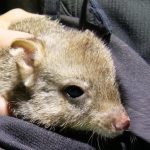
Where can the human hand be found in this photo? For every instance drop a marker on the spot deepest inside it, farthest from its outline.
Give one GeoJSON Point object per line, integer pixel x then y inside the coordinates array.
{"type": "Point", "coordinates": [6, 38]}
{"type": "Point", "coordinates": [14, 15]}
{"type": "Point", "coordinates": [3, 106]}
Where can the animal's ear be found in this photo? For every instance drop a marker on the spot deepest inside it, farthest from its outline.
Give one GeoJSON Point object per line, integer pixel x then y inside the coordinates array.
{"type": "Point", "coordinates": [28, 54]}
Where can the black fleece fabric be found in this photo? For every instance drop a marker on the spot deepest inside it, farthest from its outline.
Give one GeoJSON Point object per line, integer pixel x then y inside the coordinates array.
{"type": "Point", "coordinates": [20, 135]}
{"type": "Point", "coordinates": [129, 23]}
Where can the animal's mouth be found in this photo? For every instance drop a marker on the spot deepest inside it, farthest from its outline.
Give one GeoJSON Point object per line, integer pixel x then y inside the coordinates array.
{"type": "Point", "coordinates": [117, 127]}
{"type": "Point", "coordinates": [107, 133]}
{"type": "Point", "coordinates": [114, 127]}
{"type": "Point", "coordinates": [116, 123]}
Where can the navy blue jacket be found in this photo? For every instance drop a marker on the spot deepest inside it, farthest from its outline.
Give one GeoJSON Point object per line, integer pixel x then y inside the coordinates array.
{"type": "Point", "coordinates": [124, 26]}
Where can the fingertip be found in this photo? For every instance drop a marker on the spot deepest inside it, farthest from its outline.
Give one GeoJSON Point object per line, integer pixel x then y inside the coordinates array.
{"type": "Point", "coordinates": [8, 36]}
{"type": "Point", "coordinates": [3, 107]}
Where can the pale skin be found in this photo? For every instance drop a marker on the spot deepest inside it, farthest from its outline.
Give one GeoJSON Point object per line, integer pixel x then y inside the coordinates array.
{"type": "Point", "coordinates": [6, 38]}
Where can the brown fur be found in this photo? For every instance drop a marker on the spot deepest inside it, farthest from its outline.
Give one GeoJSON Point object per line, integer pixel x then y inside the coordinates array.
{"type": "Point", "coordinates": [69, 57]}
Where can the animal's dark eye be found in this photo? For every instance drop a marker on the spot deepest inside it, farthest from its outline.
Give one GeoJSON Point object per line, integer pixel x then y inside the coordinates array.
{"type": "Point", "coordinates": [73, 91]}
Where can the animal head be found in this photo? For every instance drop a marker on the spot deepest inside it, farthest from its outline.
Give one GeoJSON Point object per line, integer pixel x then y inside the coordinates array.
{"type": "Point", "coordinates": [72, 78]}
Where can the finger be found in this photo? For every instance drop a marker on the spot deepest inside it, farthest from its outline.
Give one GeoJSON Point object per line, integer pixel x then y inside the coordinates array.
{"type": "Point", "coordinates": [13, 16]}
{"type": "Point", "coordinates": [3, 107]}
{"type": "Point", "coordinates": [7, 36]}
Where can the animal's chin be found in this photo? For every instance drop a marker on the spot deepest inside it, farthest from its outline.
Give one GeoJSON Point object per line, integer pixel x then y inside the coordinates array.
{"type": "Point", "coordinates": [103, 132]}
{"type": "Point", "coordinates": [109, 134]}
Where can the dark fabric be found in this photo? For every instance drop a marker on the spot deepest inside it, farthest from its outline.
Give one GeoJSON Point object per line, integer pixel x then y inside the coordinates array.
{"type": "Point", "coordinates": [133, 75]}
{"type": "Point", "coordinates": [20, 135]}
{"type": "Point", "coordinates": [31, 7]}
{"type": "Point", "coordinates": [52, 7]}
{"type": "Point", "coordinates": [2, 7]}
{"type": "Point", "coordinates": [81, 14]}
{"type": "Point", "coordinates": [101, 21]}
{"type": "Point", "coordinates": [130, 22]}
{"type": "Point", "coordinates": [36, 6]}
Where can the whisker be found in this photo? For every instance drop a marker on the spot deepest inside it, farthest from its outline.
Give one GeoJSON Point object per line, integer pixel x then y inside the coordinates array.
{"type": "Point", "coordinates": [102, 138]}
{"type": "Point", "coordinates": [91, 137]}
{"type": "Point", "coordinates": [99, 147]}
{"type": "Point", "coordinates": [133, 140]}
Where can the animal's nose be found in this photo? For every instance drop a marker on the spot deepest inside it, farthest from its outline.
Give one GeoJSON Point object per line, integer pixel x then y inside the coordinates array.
{"type": "Point", "coordinates": [121, 123]}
